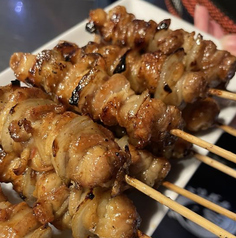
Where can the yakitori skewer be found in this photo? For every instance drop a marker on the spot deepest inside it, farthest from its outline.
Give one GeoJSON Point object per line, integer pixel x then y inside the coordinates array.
{"type": "Point", "coordinates": [126, 30]}
{"type": "Point", "coordinates": [205, 110]}
{"type": "Point", "coordinates": [88, 89]}
{"type": "Point", "coordinates": [31, 128]}
{"type": "Point", "coordinates": [204, 202]}
{"type": "Point", "coordinates": [144, 72]}
{"type": "Point", "coordinates": [165, 76]}
{"type": "Point", "coordinates": [194, 217]}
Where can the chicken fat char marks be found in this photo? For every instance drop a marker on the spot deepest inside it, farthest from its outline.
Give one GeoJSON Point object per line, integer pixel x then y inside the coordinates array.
{"type": "Point", "coordinates": [86, 87]}
{"type": "Point", "coordinates": [122, 28]}
{"type": "Point", "coordinates": [18, 220]}
{"type": "Point", "coordinates": [87, 212]}
{"type": "Point", "coordinates": [163, 75]}
{"type": "Point", "coordinates": [41, 132]}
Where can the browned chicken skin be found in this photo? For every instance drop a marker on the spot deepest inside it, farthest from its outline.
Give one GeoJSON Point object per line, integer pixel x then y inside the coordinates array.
{"type": "Point", "coordinates": [145, 166]}
{"type": "Point", "coordinates": [201, 115]}
{"type": "Point", "coordinates": [122, 28]}
{"type": "Point", "coordinates": [61, 200]}
{"type": "Point", "coordinates": [18, 220]}
{"type": "Point", "coordinates": [86, 87]}
{"type": "Point", "coordinates": [41, 132]}
{"type": "Point", "coordinates": [163, 75]}
{"type": "Point", "coordinates": [87, 212]}
{"type": "Point", "coordinates": [154, 71]}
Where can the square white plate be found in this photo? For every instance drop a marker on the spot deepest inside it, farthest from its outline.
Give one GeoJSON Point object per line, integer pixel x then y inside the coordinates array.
{"type": "Point", "coordinates": [151, 212]}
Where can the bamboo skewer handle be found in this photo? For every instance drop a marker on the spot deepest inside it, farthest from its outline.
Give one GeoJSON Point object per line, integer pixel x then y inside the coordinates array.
{"type": "Point", "coordinates": [216, 164]}
{"type": "Point", "coordinates": [204, 144]}
{"type": "Point", "coordinates": [218, 231]}
{"type": "Point", "coordinates": [230, 130]}
{"type": "Point", "coordinates": [222, 94]}
{"type": "Point", "coordinates": [204, 202]}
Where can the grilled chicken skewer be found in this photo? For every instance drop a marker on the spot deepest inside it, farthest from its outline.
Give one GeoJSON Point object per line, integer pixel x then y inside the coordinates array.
{"type": "Point", "coordinates": [122, 28]}
{"type": "Point", "coordinates": [87, 88]}
{"type": "Point", "coordinates": [155, 71]}
{"type": "Point", "coordinates": [42, 133]}
{"type": "Point", "coordinates": [54, 199]}
{"type": "Point", "coordinates": [144, 72]}
{"type": "Point", "coordinates": [14, 99]}
{"type": "Point", "coordinates": [18, 220]}
{"type": "Point", "coordinates": [87, 212]}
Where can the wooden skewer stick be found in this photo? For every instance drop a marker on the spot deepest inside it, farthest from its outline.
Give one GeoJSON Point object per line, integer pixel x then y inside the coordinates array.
{"type": "Point", "coordinates": [204, 144]}
{"type": "Point", "coordinates": [228, 129]}
{"type": "Point", "coordinates": [204, 202]}
{"type": "Point", "coordinates": [216, 164]}
{"type": "Point", "coordinates": [194, 217]}
{"type": "Point", "coordinates": [222, 94]}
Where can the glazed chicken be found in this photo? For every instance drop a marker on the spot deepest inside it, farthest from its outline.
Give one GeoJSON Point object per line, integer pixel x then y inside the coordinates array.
{"type": "Point", "coordinates": [145, 166]}
{"type": "Point", "coordinates": [18, 220]}
{"type": "Point", "coordinates": [41, 132]}
{"type": "Point", "coordinates": [87, 212]}
{"type": "Point", "coordinates": [121, 28]}
{"type": "Point", "coordinates": [151, 71]}
{"type": "Point", "coordinates": [86, 87]}
{"type": "Point", "coordinates": [163, 75]}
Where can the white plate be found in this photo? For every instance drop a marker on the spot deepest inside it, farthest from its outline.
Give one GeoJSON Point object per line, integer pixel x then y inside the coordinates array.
{"type": "Point", "coordinates": [152, 213]}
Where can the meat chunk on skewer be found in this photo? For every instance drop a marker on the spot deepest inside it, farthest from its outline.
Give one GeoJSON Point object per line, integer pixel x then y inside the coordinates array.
{"type": "Point", "coordinates": [145, 166]}
{"type": "Point", "coordinates": [164, 76]}
{"type": "Point", "coordinates": [87, 88]}
{"type": "Point", "coordinates": [122, 28]}
{"type": "Point", "coordinates": [161, 74]}
{"type": "Point", "coordinates": [92, 212]}
{"type": "Point", "coordinates": [41, 132]}
{"type": "Point", "coordinates": [18, 220]}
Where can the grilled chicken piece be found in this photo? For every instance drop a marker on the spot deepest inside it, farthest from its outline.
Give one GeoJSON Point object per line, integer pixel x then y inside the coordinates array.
{"type": "Point", "coordinates": [86, 87]}
{"type": "Point", "coordinates": [201, 115]}
{"type": "Point", "coordinates": [18, 220]}
{"type": "Point", "coordinates": [122, 28]}
{"type": "Point", "coordinates": [145, 166]}
{"type": "Point", "coordinates": [94, 212]}
{"type": "Point", "coordinates": [163, 75]}
{"type": "Point", "coordinates": [101, 215]}
{"type": "Point", "coordinates": [41, 132]}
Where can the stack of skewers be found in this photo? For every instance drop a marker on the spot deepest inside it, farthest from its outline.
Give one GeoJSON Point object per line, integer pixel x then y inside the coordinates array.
{"type": "Point", "coordinates": [103, 117]}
